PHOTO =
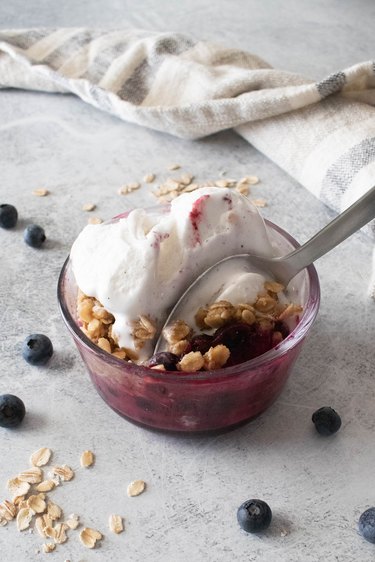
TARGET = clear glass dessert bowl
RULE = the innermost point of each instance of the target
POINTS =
(200, 401)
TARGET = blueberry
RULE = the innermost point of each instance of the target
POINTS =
(8, 216)
(12, 410)
(37, 349)
(366, 524)
(34, 235)
(254, 516)
(326, 420)
(166, 358)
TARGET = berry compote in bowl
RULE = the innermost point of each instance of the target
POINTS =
(203, 401)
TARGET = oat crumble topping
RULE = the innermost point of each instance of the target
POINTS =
(264, 313)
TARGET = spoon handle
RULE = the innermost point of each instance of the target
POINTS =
(345, 224)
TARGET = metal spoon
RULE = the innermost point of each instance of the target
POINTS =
(284, 268)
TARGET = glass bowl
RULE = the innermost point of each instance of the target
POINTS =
(194, 402)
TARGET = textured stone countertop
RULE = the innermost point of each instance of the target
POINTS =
(316, 487)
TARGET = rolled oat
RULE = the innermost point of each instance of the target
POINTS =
(115, 524)
(41, 457)
(89, 537)
(87, 459)
(136, 488)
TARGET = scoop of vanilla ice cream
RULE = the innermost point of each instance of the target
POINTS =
(141, 264)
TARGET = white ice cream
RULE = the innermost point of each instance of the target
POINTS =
(141, 264)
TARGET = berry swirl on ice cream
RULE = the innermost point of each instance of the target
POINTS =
(132, 270)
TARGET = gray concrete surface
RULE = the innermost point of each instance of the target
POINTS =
(316, 487)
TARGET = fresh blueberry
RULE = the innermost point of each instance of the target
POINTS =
(326, 420)
(37, 349)
(8, 216)
(254, 516)
(34, 235)
(366, 524)
(12, 410)
(166, 358)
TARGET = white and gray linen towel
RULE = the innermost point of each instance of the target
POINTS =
(322, 133)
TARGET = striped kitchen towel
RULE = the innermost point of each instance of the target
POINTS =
(322, 133)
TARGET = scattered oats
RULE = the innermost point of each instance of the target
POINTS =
(47, 520)
(128, 188)
(23, 518)
(22, 505)
(37, 503)
(222, 183)
(136, 488)
(259, 202)
(60, 535)
(95, 220)
(242, 188)
(88, 537)
(173, 195)
(41, 457)
(72, 523)
(53, 511)
(190, 188)
(173, 167)
(88, 207)
(64, 472)
(18, 501)
(283, 533)
(115, 524)
(149, 178)
(32, 475)
(48, 547)
(3, 522)
(49, 531)
(170, 185)
(40, 526)
(74, 516)
(243, 180)
(252, 180)
(87, 459)
(46, 486)
(123, 190)
(186, 179)
(8, 510)
(40, 192)
(18, 487)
